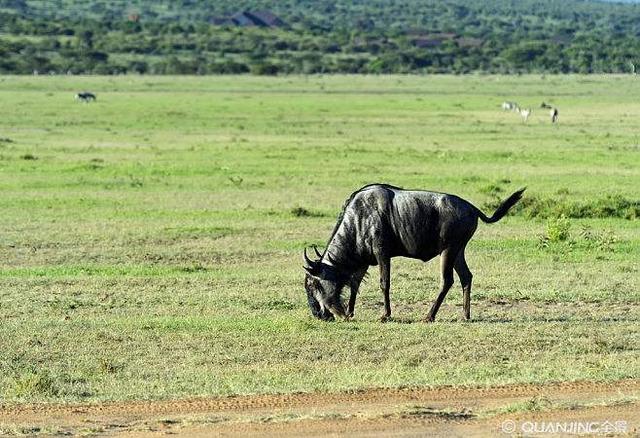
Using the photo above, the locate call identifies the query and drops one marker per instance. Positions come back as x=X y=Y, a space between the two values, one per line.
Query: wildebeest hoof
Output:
x=430 y=319
x=385 y=318
x=326 y=316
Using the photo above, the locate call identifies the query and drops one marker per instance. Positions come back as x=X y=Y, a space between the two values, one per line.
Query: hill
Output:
x=305 y=36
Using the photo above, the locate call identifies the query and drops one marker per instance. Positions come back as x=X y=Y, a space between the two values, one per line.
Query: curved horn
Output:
x=315 y=248
x=307 y=260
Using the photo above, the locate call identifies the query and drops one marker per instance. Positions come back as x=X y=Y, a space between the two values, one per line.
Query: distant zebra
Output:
x=85 y=97
x=509 y=106
x=525 y=113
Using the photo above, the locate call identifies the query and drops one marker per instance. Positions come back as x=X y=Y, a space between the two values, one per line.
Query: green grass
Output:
x=151 y=242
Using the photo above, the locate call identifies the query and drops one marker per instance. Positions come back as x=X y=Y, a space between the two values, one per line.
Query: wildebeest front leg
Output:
x=354 y=285
x=465 y=279
x=447 y=261
x=385 y=280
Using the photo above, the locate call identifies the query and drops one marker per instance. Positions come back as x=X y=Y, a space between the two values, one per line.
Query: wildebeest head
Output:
x=323 y=283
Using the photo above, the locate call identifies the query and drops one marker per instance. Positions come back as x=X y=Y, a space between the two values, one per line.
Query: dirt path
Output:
x=394 y=412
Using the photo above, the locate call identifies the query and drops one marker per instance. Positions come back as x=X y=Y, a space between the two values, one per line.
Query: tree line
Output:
x=318 y=36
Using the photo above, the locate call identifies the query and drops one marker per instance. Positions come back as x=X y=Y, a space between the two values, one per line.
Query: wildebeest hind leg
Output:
x=465 y=279
x=447 y=261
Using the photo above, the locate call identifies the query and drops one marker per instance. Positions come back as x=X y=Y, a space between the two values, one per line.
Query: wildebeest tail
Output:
x=503 y=208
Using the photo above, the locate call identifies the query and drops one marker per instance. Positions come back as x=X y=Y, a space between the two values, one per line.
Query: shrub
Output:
x=558 y=230
x=303 y=212
x=602 y=241
x=32 y=383
x=536 y=207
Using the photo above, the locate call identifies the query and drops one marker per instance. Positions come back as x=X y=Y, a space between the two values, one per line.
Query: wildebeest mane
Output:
x=348 y=201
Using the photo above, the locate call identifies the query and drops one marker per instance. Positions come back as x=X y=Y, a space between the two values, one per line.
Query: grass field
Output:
x=150 y=243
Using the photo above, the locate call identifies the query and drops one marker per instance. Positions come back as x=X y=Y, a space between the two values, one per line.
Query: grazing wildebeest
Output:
x=85 y=97
x=379 y=222
x=509 y=106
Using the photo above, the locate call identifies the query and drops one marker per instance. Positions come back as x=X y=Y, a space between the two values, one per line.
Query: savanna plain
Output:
x=151 y=242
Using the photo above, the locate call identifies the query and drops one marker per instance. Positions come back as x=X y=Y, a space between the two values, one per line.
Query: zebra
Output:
x=86 y=97
x=525 y=113
x=509 y=106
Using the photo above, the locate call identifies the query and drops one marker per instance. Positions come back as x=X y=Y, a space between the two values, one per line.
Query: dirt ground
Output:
x=530 y=410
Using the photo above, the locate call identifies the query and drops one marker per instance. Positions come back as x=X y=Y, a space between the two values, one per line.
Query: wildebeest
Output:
x=379 y=222
x=86 y=97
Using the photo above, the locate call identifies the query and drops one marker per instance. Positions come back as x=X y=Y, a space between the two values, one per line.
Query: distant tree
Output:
x=138 y=67
x=86 y=38
x=96 y=56
x=265 y=69
x=233 y=67
x=525 y=54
